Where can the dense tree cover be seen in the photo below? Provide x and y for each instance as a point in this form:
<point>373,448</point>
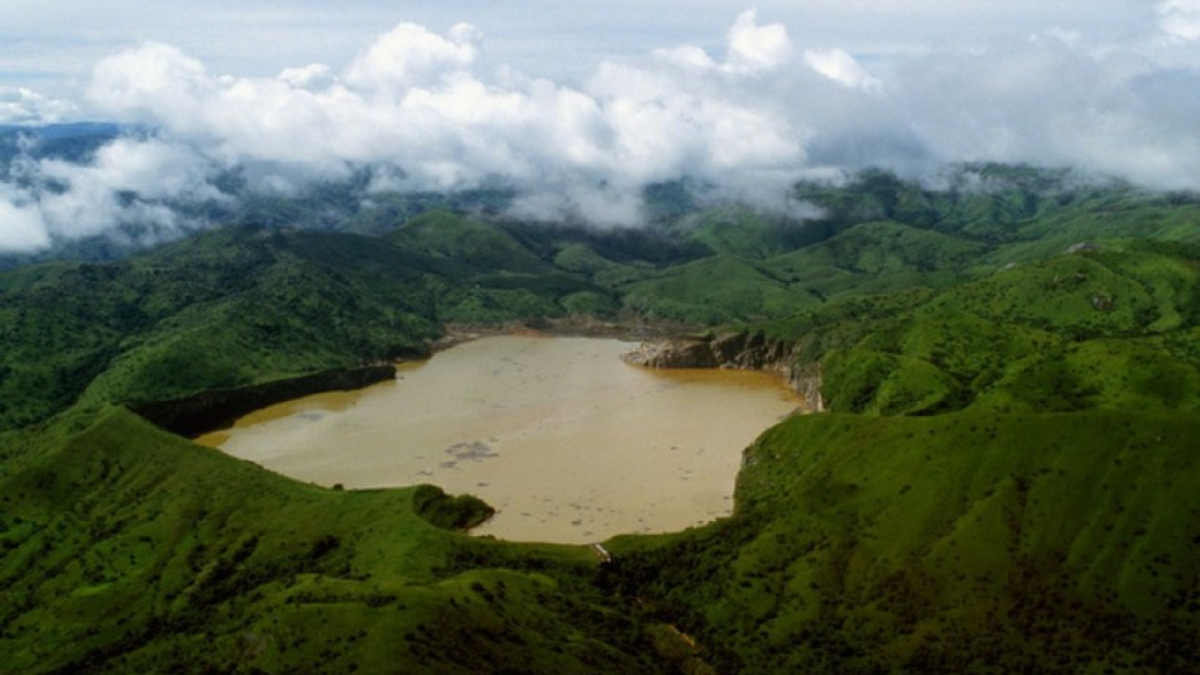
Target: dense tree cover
<point>1003,485</point>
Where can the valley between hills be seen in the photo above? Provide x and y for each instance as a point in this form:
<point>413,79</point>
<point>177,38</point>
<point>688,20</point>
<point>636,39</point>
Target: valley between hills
<point>1001,479</point>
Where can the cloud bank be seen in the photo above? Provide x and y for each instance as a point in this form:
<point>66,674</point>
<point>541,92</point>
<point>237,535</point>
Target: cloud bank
<point>421,110</point>
<point>20,105</point>
<point>1180,18</point>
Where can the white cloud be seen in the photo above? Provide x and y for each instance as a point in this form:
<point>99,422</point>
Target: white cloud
<point>687,56</point>
<point>20,105</point>
<point>583,204</point>
<point>1180,18</point>
<point>423,110</point>
<point>411,55</point>
<point>841,67</point>
<point>135,182</point>
<point>150,83</point>
<point>1050,103</point>
<point>21,227</point>
<point>313,77</point>
<point>414,100</point>
<point>753,47</point>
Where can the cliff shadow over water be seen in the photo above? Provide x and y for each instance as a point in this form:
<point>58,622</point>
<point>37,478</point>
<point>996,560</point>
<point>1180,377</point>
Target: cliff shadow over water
<point>207,411</point>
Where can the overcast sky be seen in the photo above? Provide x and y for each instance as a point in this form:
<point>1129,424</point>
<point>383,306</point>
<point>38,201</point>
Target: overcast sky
<point>51,46</point>
<point>579,104</point>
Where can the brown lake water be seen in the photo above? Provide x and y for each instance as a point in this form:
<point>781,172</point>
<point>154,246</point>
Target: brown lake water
<point>569,443</point>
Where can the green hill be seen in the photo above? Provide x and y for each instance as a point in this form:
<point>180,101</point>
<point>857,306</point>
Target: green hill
<point>1004,482</point>
<point>716,290</point>
<point>228,308</point>
<point>1112,329</point>
<point>126,549</point>
<point>877,257</point>
<point>963,543</point>
<point>467,241</point>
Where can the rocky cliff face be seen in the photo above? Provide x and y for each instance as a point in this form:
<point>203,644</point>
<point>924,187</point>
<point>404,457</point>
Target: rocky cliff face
<point>741,350</point>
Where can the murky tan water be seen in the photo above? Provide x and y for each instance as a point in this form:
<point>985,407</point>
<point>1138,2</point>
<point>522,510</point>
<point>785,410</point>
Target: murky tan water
<point>569,443</point>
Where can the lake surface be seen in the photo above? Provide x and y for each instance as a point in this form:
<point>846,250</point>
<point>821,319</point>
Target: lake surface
<point>569,443</point>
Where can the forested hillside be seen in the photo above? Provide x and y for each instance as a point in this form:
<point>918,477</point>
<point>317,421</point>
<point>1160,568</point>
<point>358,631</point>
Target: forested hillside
<point>1002,483</point>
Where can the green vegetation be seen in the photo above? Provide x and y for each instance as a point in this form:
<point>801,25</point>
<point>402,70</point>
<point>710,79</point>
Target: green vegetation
<point>1108,329</point>
<point>1004,483</point>
<point>961,543</point>
<point>228,308</point>
<point>126,549</point>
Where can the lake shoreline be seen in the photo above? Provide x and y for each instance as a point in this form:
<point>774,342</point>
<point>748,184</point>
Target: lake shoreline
<point>667,345</point>
<point>572,326</point>
<point>216,409</point>
<point>566,441</point>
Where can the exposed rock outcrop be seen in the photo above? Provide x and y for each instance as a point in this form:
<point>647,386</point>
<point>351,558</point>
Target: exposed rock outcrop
<point>680,352</point>
<point>741,350</point>
<point>747,351</point>
<point>806,380</point>
<point>1082,247</point>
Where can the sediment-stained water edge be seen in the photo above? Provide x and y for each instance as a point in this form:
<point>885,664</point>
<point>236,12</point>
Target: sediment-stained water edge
<point>565,440</point>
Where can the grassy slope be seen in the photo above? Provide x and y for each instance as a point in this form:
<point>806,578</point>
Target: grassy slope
<point>1104,329</point>
<point>950,544</point>
<point>227,308</point>
<point>876,257</point>
<point>712,291</point>
<point>130,550</point>
<point>1000,538</point>
<point>125,549</point>
<point>880,234</point>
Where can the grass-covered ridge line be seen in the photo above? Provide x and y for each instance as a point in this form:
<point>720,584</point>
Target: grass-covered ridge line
<point>1005,483</point>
